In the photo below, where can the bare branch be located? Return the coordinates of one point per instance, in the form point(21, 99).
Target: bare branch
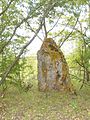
point(54, 25)
point(82, 65)
point(69, 33)
point(49, 7)
point(33, 30)
point(45, 29)
point(81, 33)
point(63, 29)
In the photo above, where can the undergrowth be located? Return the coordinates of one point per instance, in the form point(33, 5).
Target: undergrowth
point(35, 105)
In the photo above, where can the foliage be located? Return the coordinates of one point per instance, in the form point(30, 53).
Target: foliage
point(79, 63)
point(19, 21)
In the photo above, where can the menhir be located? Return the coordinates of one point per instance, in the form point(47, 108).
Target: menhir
point(53, 71)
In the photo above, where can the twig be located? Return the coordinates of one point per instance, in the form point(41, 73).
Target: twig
point(54, 25)
point(69, 34)
point(49, 7)
point(75, 76)
point(81, 33)
point(33, 30)
point(19, 24)
point(82, 65)
point(63, 29)
point(6, 8)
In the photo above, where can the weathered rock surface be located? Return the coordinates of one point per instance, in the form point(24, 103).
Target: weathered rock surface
point(53, 71)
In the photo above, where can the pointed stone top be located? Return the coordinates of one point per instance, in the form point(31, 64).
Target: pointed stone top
point(49, 43)
point(53, 71)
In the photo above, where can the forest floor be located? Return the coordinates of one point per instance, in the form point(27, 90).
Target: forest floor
point(35, 105)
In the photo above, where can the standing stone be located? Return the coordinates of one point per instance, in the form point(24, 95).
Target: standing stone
point(53, 71)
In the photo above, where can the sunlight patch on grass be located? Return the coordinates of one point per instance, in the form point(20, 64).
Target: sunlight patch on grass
point(35, 105)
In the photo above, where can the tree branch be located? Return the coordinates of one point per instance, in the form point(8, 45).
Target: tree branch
point(10, 67)
point(45, 29)
point(6, 8)
point(63, 29)
point(81, 33)
point(69, 33)
point(49, 7)
point(5, 74)
point(33, 30)
point(82, 65)
point(76, 77)
point(53, 25)
point(19, 24)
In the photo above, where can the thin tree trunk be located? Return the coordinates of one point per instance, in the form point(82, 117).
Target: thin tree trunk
point(10, 67)
point(5, 74)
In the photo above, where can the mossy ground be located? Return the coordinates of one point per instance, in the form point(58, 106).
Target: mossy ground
point(35, 105)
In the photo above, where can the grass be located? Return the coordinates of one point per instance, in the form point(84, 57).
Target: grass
point(35, 105)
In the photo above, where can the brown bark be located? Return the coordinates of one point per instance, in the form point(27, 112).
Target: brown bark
point(5, 74)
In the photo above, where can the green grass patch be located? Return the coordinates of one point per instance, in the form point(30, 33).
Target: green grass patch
point(35, 105)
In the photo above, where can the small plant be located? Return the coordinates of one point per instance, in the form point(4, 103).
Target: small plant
point(74, 105)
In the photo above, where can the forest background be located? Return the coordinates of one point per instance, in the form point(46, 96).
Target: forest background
point(25, 23)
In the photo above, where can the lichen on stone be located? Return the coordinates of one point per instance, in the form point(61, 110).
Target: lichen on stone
point(53, 71)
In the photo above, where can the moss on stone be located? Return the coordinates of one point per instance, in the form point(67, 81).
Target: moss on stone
point(60, 81)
